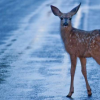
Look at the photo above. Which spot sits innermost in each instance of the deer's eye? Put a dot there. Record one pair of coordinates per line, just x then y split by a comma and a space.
61, 18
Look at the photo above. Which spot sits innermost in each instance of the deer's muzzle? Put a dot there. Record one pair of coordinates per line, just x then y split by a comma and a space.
65, 23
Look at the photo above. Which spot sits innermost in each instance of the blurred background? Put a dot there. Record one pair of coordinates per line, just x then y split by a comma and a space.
33, 61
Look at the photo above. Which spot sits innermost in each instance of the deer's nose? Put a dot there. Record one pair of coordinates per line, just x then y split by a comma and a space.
65, 24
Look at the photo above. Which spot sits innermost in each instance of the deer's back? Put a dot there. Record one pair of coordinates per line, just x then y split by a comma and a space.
82, 43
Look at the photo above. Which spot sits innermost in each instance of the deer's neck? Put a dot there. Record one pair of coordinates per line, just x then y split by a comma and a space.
65, 31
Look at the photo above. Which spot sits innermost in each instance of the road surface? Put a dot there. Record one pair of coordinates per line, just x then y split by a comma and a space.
33, 61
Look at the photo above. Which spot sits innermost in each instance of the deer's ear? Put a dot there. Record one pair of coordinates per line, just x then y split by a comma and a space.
74, 10
55, 11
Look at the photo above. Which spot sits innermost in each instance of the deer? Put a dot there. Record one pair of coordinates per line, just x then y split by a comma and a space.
78, 44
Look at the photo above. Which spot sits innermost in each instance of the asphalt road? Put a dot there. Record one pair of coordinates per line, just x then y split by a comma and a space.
33, 61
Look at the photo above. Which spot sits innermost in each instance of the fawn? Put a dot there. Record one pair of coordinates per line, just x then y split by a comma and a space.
78, 43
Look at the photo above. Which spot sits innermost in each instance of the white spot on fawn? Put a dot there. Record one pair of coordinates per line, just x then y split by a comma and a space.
93, 41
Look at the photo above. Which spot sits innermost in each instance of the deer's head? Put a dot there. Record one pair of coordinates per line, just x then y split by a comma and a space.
65, 17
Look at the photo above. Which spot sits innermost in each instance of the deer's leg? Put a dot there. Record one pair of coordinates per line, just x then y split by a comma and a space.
73, 67
84, 72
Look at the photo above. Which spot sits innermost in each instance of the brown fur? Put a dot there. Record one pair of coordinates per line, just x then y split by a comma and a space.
78, 43
82, 43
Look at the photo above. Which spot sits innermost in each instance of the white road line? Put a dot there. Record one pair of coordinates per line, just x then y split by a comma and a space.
86, 15
78, 18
